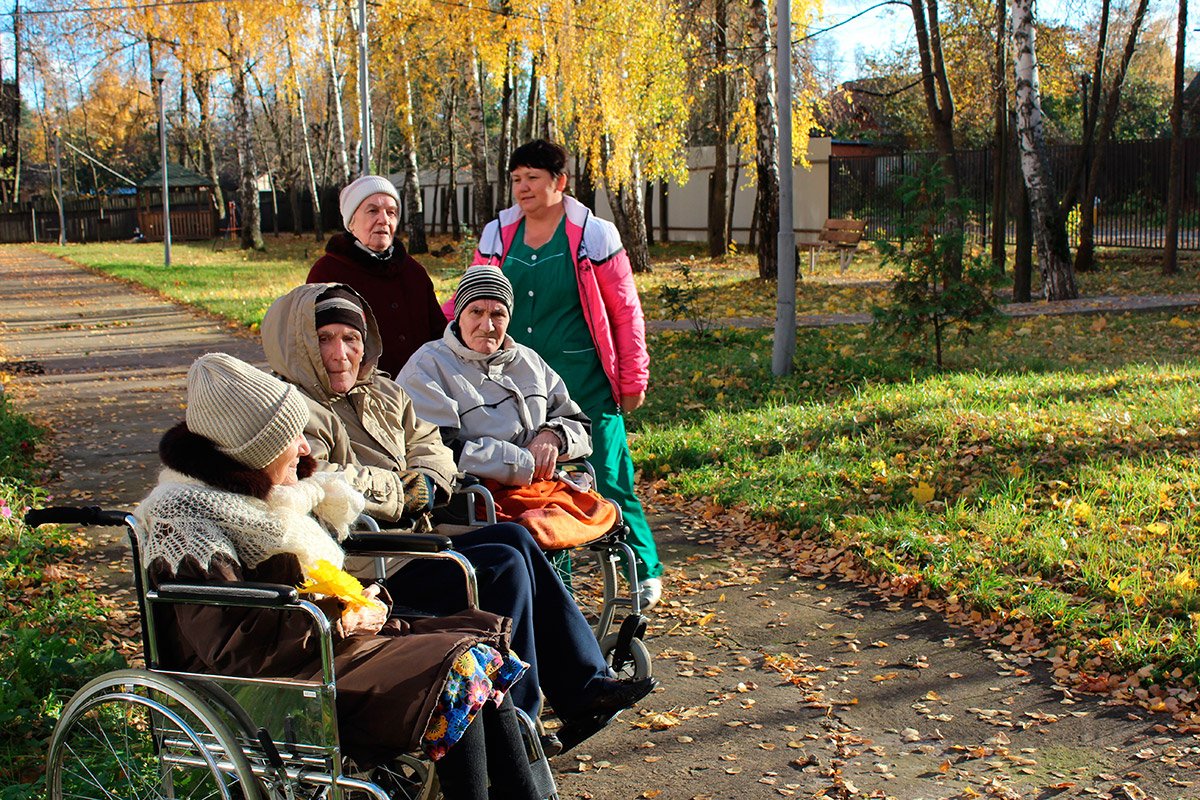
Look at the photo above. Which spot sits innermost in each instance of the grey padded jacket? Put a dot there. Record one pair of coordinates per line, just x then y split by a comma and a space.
490, 407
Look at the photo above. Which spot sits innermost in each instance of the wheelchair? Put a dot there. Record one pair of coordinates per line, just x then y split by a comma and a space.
135, 734
623, 648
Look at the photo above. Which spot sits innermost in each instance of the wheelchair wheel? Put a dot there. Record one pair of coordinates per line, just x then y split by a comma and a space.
637, 667
132, 734
407, 778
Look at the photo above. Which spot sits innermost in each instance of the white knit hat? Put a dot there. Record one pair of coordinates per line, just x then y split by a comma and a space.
362, 188
249, 415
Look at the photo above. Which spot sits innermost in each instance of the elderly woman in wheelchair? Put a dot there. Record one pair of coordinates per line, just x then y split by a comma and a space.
324, 339
240, 501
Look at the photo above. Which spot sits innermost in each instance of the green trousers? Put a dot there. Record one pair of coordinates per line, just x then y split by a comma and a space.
615, 480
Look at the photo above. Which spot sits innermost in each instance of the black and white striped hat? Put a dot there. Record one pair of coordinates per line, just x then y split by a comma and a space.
482, 282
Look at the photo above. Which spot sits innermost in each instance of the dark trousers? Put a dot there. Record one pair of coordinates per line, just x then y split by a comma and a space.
516, 580
490, 750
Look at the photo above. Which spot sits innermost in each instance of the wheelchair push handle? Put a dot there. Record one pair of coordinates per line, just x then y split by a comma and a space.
76, 515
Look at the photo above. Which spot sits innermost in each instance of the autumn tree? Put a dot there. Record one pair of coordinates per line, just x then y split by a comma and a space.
622, 97
1099, 132
939, 103
1049, 221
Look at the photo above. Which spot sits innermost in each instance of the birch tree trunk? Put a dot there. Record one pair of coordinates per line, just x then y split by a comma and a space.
508, 130
251, 223
336, 81
1085, 254
312, 173
718, 191
1175, 174
531, 103
629, 215
766, 117
1054, 257
1018, 206
412, 183
481, 202
452, 146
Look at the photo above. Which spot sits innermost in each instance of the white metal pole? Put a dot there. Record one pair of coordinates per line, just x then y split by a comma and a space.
364, 89
62, 217
160, 75
785, 305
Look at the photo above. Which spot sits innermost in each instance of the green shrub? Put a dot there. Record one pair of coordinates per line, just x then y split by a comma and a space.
51, 625
926, 293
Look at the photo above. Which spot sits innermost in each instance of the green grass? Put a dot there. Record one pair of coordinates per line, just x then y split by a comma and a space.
52, 626
1065, 472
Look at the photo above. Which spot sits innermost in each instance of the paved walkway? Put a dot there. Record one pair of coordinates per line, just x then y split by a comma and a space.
774, 684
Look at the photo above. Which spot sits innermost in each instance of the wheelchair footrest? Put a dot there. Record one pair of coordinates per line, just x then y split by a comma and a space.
632, 627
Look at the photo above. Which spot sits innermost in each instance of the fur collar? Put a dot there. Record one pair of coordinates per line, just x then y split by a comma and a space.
197, 457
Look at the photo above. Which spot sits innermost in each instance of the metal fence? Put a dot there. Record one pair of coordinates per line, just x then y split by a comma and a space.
1130, 207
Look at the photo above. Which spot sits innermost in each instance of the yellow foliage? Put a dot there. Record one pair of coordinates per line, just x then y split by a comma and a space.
324, 578
1183, 580
922, 492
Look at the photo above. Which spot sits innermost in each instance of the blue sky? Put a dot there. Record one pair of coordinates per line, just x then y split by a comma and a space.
881, 28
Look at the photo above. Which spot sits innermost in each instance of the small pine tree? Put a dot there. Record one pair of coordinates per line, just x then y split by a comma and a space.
925, 293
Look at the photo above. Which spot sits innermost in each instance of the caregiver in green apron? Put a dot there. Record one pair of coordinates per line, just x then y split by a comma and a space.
579, 309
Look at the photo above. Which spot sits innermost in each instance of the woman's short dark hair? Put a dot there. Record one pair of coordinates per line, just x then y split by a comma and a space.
540, 154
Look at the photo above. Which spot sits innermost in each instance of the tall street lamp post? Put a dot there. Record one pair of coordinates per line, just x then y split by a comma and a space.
159, 76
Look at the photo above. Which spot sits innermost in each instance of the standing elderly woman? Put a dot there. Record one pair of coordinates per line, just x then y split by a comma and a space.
239, 501
580, 311
370, 258
325, 340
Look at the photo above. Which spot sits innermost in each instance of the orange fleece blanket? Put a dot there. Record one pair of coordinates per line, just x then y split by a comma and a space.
558, 515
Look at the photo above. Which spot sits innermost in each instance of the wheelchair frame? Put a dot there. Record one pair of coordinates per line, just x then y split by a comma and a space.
194, 735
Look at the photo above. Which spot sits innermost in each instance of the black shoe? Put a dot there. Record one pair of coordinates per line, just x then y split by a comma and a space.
551, 744
578, 729
607, 696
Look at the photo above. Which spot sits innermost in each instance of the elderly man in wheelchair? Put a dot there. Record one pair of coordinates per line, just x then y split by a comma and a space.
324, 339
240, 502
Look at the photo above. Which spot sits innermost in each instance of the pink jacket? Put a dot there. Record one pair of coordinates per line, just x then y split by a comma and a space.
606, 290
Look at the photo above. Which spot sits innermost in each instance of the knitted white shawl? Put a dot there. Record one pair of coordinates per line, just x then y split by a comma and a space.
186, 517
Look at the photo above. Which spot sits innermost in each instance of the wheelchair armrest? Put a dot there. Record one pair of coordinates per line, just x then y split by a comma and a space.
82, 515
389, 543
581, 465
242, 593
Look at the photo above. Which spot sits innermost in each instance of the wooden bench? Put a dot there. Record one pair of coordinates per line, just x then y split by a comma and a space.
842, 235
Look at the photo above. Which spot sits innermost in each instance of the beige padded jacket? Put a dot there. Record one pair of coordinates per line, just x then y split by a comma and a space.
371, 433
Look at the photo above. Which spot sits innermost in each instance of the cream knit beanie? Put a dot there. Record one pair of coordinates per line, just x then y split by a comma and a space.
251, 416
362, 188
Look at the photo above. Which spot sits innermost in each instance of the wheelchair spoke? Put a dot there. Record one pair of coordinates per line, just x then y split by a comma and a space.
125, 746
82, 760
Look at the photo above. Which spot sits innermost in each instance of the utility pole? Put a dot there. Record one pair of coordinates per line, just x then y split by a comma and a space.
160, 75
62, 217
364, 89
785, 304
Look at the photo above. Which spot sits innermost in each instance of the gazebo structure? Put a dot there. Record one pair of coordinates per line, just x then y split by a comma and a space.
193, 210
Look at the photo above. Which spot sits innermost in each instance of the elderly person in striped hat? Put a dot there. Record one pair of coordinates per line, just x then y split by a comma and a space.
500, 406
371, 259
